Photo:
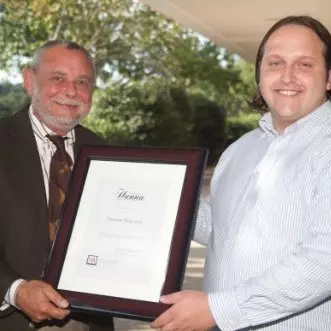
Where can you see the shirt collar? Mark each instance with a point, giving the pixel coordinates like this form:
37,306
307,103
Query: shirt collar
316,117
266,125
41,130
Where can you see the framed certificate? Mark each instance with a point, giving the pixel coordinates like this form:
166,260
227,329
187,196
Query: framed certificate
125,228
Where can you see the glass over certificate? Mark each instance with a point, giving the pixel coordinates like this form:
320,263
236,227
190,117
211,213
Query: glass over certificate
125,228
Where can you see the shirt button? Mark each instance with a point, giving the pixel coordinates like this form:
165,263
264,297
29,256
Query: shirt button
32,326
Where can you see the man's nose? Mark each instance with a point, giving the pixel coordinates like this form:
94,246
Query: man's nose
70,88
288,74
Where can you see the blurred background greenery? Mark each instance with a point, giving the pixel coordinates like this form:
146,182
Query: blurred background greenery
158,83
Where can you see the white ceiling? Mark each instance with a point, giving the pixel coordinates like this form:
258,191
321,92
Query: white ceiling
238,25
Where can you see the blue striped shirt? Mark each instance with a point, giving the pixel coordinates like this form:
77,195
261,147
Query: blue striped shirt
267,226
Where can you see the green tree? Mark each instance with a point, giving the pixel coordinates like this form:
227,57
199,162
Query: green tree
157,81
12,98
157,113
241,117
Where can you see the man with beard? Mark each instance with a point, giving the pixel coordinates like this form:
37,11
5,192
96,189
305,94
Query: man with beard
60,81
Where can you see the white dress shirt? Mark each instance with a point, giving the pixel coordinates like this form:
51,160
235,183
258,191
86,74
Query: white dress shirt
268,229
46,150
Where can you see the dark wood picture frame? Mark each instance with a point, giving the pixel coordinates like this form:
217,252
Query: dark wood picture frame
195,160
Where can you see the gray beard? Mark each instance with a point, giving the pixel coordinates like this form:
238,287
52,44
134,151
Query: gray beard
64,123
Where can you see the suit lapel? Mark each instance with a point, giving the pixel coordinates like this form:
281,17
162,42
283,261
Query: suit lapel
79,140
27,166
85,137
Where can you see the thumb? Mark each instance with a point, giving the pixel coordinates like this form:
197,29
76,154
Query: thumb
56,298
172,298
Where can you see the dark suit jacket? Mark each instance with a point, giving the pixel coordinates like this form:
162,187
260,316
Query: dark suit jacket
23,212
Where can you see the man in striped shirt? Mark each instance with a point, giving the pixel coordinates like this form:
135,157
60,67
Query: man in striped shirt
268,222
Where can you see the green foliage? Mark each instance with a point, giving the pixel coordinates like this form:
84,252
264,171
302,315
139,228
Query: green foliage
12,98
102,26
158,83
240,124
209,126
159,114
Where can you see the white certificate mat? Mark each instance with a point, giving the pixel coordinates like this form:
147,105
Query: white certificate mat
121,238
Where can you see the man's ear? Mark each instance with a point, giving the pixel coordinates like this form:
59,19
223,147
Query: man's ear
28,77
328,83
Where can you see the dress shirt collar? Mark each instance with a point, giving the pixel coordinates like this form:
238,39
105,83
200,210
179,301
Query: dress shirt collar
314,118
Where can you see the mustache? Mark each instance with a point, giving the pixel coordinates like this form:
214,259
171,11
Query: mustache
67,102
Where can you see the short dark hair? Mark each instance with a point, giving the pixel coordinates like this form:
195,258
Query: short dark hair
311,23
70,45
